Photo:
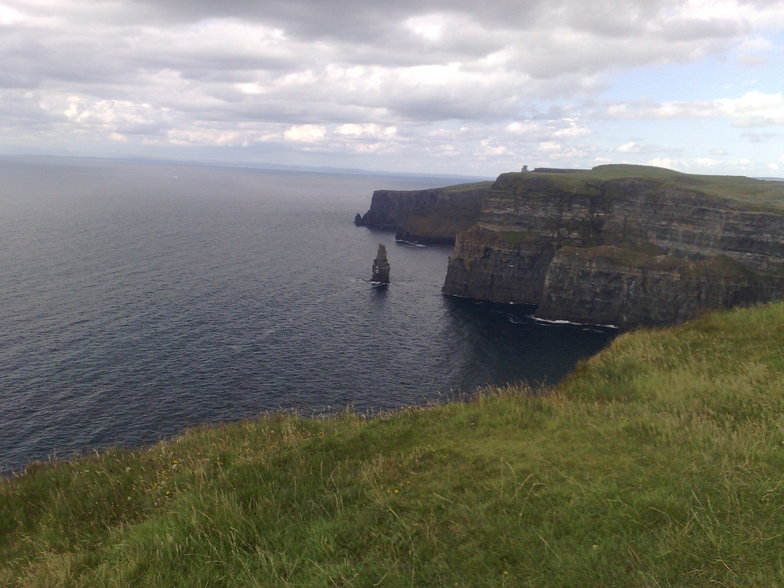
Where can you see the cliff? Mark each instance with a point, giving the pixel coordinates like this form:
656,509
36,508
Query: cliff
626,245
426,216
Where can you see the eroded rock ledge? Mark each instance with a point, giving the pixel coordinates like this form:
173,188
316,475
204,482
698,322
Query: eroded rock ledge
625,245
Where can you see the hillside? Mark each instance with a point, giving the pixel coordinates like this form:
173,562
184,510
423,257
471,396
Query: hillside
657,462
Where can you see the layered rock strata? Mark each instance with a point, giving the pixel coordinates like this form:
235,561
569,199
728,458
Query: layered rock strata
625,245
426,216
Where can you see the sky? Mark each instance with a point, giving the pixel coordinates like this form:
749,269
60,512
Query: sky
424,86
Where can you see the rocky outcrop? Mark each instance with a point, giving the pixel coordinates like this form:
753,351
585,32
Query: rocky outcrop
625,245
498,266
426,216
380,266
602,285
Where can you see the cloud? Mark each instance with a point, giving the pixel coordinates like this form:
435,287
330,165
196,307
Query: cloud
704,164
634,147
305,133
756,137
752,109
754,51
432,77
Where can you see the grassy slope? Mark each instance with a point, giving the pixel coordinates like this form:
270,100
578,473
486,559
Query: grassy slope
658,462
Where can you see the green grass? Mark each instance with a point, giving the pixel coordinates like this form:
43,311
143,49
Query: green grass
739,188
472,186
659,462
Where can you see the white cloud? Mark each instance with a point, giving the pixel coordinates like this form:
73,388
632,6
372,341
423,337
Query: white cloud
550,146
457,80
488,148
630,147
430,27
755,51
523,128
572,131
753,108
704,164
105,117
9,16
366,130
305,133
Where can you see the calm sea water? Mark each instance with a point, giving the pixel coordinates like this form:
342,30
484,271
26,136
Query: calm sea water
140,298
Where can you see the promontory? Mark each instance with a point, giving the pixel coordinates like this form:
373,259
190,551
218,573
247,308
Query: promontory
618,244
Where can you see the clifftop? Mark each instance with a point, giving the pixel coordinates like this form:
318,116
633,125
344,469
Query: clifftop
740,188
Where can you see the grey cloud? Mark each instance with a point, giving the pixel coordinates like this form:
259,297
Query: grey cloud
344,19
199,64
363,33
34,56
371,20
708,28
441,107
22,108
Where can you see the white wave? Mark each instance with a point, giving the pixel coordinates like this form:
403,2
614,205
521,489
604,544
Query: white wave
565,322
410,243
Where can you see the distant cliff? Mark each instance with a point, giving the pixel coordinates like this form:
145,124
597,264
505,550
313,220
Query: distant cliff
426,216
627,245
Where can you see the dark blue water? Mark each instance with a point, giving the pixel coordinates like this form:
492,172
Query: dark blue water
139,298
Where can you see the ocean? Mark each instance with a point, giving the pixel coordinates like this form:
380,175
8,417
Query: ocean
140,298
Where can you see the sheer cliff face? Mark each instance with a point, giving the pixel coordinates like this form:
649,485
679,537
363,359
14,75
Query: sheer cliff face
390,208
427,216
625,251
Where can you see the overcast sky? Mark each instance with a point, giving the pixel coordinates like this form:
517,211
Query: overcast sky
443,86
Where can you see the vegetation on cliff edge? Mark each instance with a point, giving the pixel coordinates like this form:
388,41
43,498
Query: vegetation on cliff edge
658,462
749,191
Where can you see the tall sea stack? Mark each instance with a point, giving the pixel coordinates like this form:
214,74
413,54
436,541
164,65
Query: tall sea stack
381,266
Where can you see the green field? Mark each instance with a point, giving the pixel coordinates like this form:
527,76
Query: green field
659,462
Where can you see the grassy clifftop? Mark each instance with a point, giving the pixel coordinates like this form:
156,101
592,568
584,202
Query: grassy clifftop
658,462
749,191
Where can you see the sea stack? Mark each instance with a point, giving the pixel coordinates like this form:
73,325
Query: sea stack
381,266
